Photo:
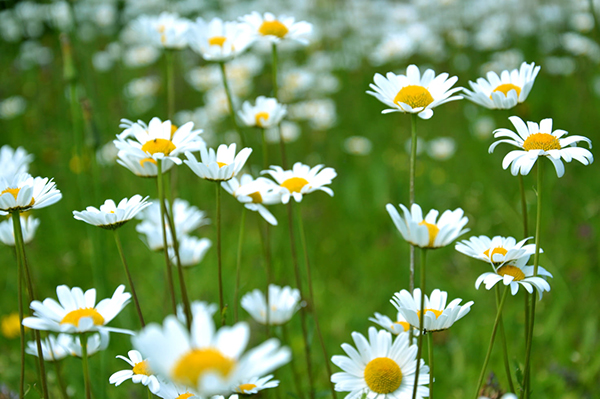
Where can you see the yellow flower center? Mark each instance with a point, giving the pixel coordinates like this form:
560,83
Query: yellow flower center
433,232
261,118
405,325
511,271
142,368
217,41
191,366
273,28
15,193
541,141
246,387
221,164
143,161
74,316
498,250
158,145
11,326
383,375
506,87
415,96
436,312
256,197
185,395
294,184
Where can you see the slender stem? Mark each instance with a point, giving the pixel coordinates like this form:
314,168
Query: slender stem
219,260
311,299
504,346
170,84
413,163
21,326
430,348
296,378
238,267
133,292
274,70
265,148
161,198
232,112
84,364
421,322
489,351
264,238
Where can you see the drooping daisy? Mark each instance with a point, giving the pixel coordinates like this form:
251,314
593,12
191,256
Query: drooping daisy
54,348
256,384
186,217
111,216
265,113
141,166
428,232
77,311
439,316
504,91
204,360
283,303
380,367
497,250
96,343
219,41
13,161
537,141
254,194
24,192
221,165
191,250
414,93
302,179
29,225
167,30
515,274
395,327
275,29
140,372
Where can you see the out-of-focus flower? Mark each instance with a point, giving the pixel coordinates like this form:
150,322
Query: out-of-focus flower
217,40
63,345
266,113
358,145
142,87
14,162
290,131
29,225
110,215
10,325
279,28
12,107
167,30
191,250
301,180
140,56
256,384
442,148
221,165
283,303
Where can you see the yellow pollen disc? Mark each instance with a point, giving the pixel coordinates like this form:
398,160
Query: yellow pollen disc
191,366
15,193
436,312
273,28
415,96
142,368
158,145
173,129
541,141
505,88
246,387
221,164
294,184
495,251
511,271
256,197
404,324
383,375
74,316
217,40
433,232
261,118
143,161
11,326
185,395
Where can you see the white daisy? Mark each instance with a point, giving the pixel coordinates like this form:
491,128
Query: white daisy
275,29
217,40
197,306
537,141
53,347
186,217
29,225
283,303
221,165
439,316
504,91
302,179
265,113
13,162
428,232
141,166
253,193
395,327
380,367
96,343
23,192
166,30
516,274
77,311
191,250
414,93
256,384
140,372
497,250
111,216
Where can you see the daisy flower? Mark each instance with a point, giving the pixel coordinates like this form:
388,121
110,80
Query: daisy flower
29,225
168,390
205,360
96,343
256,384
221,165
140,372
439,316
283,303
197,306
497,250
111,216
265,113
537,141
302,179
141,166
77,311
191,250
13,162
428,232
253,193
395,327
63,345
186,217
380,367
166,30
275,29
23,192
217,40
504,91
414,93
516,274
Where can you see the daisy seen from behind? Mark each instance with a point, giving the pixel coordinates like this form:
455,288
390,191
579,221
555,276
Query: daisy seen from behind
255,194
265,113
516,274
301,180
380,367
110,215
218,40
283,303
413,93
13,161
535,141
496,250
23,192
257,384
277,28
139,373
395,327
191,250
29,226
220,165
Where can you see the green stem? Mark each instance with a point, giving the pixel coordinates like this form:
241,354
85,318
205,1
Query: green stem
489,351
265,148
232,112
430,348
133,292
84,363
264,238
20,283
276,96
238,267
219,260
413,163
504,345
295,373
170,84
421,322
60,380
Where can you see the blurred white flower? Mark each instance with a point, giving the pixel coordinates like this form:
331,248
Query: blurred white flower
290,131
442,148
358,145
12,107
29,225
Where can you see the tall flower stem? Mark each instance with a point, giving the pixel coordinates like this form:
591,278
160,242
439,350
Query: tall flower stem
430,348
421,322
170,84
525,234
489,351
232,112
20,245
265,149
311,298
296,377
504,346
265,240
133,292
161,198
84,364
413,166
219,260
20,283
274,65
238,266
